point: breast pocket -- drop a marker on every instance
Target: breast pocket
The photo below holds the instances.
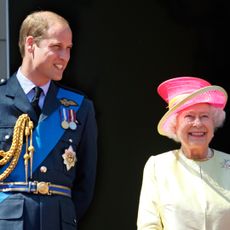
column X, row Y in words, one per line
column 69, row 153
column 11, row 211
column 62, row 161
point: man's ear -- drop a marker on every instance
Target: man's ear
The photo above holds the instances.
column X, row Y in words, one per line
column 29, row 44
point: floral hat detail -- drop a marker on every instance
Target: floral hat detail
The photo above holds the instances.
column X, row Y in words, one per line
column 182, row 92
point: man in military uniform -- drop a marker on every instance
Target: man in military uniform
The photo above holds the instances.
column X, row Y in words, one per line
column 48, row 134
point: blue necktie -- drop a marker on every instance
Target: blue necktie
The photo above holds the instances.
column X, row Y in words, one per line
column 35, row 100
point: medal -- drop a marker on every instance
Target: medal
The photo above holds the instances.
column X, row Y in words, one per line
column 68, row 119
column 64, row 119
column 64, row 124
column 72, row 123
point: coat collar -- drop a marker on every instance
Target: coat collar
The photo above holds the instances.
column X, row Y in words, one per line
column 19, row 99
column 15, row 92
column 51, row 102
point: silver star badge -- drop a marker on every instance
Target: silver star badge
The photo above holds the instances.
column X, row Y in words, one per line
column 226, row 164
column 69, row 157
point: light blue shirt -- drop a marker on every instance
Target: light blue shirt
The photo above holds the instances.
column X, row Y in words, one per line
column 27, row 86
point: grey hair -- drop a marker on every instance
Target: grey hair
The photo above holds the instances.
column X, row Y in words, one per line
column 218, row 116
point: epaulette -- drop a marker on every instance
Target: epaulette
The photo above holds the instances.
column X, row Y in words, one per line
column 3, row 81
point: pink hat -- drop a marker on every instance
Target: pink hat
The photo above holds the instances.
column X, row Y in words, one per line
column 182, row 92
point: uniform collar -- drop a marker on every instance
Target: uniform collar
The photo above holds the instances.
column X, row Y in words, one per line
column 27, row 85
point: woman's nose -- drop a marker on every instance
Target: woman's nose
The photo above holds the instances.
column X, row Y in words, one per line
column 197, row 122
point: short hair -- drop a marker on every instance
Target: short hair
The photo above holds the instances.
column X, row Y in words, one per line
column 36, row 24
column 218, row 115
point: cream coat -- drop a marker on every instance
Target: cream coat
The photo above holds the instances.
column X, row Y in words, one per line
column 182, row 194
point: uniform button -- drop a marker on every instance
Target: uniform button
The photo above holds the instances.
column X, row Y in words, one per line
column 43, row 169
column 7, row 137
column 75, row 221
column 70, row 140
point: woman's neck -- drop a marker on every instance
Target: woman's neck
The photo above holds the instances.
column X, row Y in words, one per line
column 198, row 155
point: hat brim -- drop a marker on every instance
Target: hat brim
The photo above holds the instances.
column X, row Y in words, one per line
column 214, row 95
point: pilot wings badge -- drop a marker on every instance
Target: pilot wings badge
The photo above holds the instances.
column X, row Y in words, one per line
column 67, row 102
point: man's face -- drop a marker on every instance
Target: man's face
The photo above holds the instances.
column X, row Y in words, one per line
column 51, row 55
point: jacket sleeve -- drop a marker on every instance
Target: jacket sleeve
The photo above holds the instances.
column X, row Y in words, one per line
column 84, row 184
column 148, row 210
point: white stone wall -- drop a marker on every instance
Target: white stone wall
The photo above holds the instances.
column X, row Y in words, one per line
column 4, row 42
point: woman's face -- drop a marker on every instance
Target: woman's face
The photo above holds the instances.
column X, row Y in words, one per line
column 195, row 127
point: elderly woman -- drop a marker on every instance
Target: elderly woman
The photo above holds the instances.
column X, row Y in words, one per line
column 188, row 188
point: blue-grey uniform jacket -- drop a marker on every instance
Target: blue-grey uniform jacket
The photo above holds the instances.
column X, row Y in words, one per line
column 30, row 209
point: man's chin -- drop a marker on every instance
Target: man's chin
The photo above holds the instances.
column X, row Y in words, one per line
column 57, row 78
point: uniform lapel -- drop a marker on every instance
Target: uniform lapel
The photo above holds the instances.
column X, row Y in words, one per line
column 51, row 102
column 15, row 92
